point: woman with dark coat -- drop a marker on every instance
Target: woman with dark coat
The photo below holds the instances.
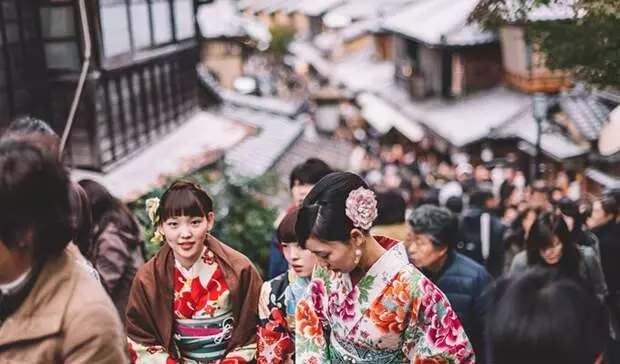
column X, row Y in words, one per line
column 551, row 244
column 117, row 252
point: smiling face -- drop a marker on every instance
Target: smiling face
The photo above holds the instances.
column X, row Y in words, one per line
column 301, row 260
column 186, row 236
column 335, row 255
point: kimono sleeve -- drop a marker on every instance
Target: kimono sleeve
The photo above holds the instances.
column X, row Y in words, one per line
column 311, row 340
column 434, row 332
column 141, row 354
column 273, row 342
column 243, row 343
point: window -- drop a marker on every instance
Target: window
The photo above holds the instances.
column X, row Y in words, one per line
column 184, row 19
column 161, row 17
column 58, row 28
column 115, row 27
column 130, row 26
column 140, row 24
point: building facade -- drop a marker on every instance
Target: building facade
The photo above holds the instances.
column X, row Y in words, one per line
column 141, row 81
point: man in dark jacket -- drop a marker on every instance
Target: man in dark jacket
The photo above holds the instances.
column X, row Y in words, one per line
column 430, row 244
column 481, row 232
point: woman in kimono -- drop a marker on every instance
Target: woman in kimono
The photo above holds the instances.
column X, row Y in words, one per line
column 366, row 304
column 196, row 300
column 278, row 298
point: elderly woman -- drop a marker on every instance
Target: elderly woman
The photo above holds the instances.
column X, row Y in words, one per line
column 430, row 244
column 50, row 310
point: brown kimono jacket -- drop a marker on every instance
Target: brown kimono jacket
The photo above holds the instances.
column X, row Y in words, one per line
column 149, row 314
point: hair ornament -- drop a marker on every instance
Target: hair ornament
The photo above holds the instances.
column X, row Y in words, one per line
column 152, row 209
column 361, row 208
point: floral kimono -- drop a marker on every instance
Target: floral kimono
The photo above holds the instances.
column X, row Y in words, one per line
column 393, row 315
column 275, row 337
column 208, row 313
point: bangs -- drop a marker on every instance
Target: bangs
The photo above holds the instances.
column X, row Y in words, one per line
column 182, row 202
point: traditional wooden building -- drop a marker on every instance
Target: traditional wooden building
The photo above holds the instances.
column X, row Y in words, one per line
column 141, row 82
column 439, row 53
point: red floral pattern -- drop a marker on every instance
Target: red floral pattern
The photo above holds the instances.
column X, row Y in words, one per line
column 197, row 298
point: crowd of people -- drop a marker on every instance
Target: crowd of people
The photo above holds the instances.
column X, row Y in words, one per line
column 464, row 269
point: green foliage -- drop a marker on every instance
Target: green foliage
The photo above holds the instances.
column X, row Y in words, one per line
column 243, row 220
column 588, row 46
column 280, row 39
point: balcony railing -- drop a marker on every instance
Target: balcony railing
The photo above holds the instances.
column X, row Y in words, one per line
column 129, row 107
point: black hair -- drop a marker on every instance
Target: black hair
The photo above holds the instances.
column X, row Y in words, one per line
column 81, row 220
column 34, row 194
column 480, row 196
column 541, row 317
column 391, row 208
column 322, row 214
column 545, row 229
column 107, row 209
column 437, row 222
column 184, row 198
column 455, row 204
column 285, row 233
column 29, row 124
column 553, row 190
column 516, row 232
column 609, row 205
column 309, row 172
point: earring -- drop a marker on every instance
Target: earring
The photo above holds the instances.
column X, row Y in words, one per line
column 358, row 255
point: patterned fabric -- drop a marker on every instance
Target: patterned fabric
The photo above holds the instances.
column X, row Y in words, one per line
column 203, row 319
column 276, row 310
column 393, row 315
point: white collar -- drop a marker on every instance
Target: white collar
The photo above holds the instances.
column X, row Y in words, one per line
column 194, row 269
column 11, row 287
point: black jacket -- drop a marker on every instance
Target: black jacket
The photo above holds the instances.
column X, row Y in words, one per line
column 470, row 243
column 467, row 285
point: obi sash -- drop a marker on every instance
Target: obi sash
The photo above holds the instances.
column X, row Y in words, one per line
column 204, row 339
column 342, row 352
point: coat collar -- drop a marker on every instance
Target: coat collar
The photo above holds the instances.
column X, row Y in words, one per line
column 42, row 312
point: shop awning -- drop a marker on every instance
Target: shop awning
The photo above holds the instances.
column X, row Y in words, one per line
column 383, row 117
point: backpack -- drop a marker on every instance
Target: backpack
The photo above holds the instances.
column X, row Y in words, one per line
column 475, row 241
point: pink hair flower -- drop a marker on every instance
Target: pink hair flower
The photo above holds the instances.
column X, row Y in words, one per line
column 361, row 208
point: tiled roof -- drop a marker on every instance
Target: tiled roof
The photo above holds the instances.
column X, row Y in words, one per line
column 438, row 22
column 472, row 118
column 383, row 117
column 271, row 105
column 190, row 146
column 221, row 19
column 554, row 144
column 317, row 7
column 258, row 153
column 361, row 73
column 308, row 53
column 587, row 113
